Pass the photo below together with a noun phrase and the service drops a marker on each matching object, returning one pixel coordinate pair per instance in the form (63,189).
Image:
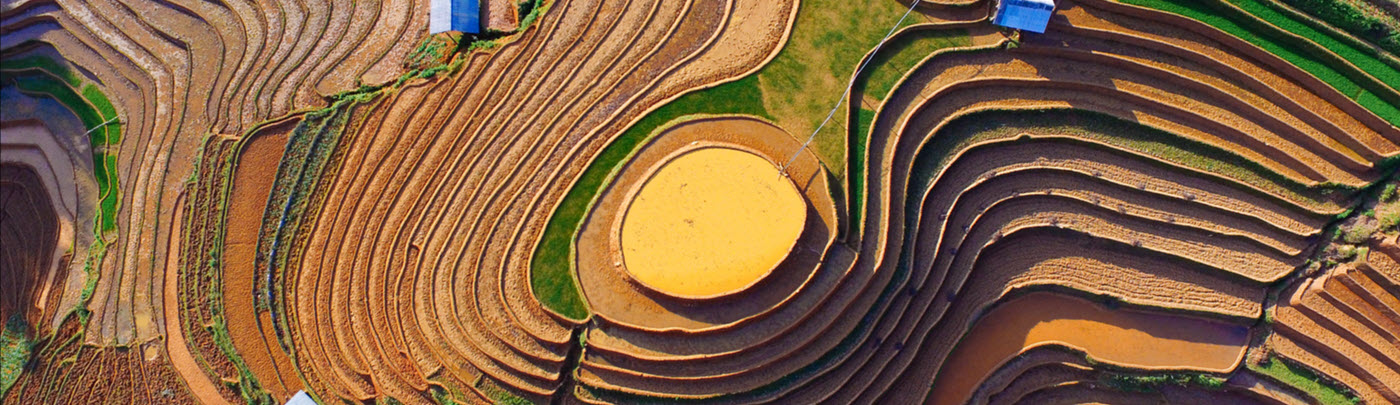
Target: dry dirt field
(699,201)
(708,222)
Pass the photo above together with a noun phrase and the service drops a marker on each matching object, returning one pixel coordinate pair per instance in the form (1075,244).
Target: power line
(89,132)
(783,169)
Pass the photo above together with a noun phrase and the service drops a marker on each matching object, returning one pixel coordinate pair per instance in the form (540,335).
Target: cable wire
(783,169)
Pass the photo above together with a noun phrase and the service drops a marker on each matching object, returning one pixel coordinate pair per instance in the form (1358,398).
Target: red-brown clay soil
(412,270)
(1343,324)
(252,333)
(176,346)
(177,72)
(199,279)
(418,266)
(63,370)
(29,234)
(30,144)
(1124,337)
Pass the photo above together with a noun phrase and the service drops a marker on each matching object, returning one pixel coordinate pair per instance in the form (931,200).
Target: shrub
(1348,17)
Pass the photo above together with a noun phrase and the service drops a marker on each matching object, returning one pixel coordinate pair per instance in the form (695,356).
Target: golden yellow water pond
(709,222)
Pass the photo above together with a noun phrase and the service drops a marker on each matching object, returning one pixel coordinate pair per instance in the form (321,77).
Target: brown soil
(29,234)
(1336,344)
(876,148)
(64,371)
(176,72)
(500,15)
(1040,377)
(30,144)
(250,328)
(414,269)
(1243,311)
(198,278)
(1128,338)
(614,297)
(1006,381)
(480,149)
(176,346)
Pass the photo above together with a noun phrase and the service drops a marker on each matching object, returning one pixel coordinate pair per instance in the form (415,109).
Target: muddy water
(1129,338)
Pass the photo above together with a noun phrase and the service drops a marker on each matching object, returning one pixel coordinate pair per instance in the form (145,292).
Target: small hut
(455,15)
(1028,15)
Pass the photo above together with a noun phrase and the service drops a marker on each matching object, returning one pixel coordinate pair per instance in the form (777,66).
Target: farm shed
(1029,15)
(455,15)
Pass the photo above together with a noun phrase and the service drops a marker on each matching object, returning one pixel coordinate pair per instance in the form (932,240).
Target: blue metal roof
(1029,15)
(454,15)
(301,398)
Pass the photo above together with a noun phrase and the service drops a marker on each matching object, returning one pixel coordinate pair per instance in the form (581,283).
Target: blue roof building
(1029,15)
(301,398)
(454,15)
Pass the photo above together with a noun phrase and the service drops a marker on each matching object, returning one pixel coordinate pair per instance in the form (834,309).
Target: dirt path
(175,345)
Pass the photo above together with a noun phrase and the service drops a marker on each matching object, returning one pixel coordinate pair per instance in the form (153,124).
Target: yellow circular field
(709,222)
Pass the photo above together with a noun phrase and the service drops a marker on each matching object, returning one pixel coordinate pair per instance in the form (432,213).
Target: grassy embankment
(1266,28)
(796,90)
(1322,390)
(44,77)
(1364,19)
(889,65)
(15,347)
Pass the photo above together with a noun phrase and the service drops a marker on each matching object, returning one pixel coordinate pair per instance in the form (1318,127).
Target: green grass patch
(886,67)
(860,140)
(499,395)
(1364,58)
(901,55)
(805,80)
(552,269)
(796,90)
(1323,390)
(1225,20)
(94,110)
(45,64)
(15,348)
(1153,382)
(1361,18)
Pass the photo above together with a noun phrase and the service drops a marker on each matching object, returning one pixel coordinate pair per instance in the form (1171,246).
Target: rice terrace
(700,201)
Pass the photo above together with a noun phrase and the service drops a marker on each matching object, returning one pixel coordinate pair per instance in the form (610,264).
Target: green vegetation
(15,347)
(900,55)
(1323,390)
(1361,18)
(1269,38)
(855,192)
(796,90)
(805,79)
(1364,57)
(92,108)
(499,395)
(43,76)
(247,384)
(529,12)
(551,270)
(1153,382)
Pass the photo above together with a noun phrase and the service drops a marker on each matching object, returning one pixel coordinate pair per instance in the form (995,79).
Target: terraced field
(644,201)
